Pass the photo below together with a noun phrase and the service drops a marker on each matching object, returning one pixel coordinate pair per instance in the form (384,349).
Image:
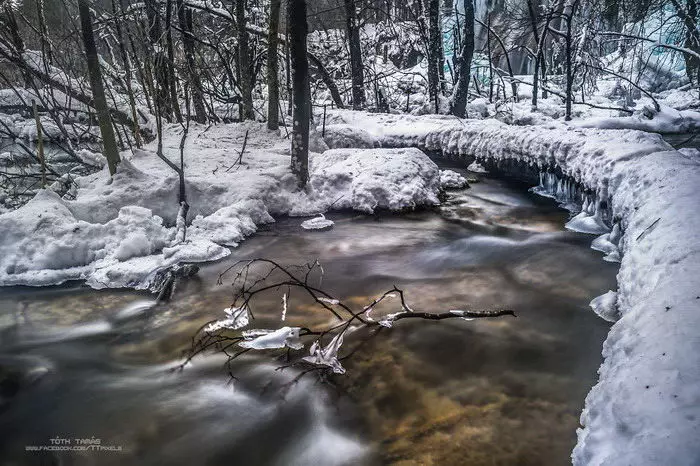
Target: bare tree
(460,94)
(244,68)
(434,52)
(184,15)
(298,29)
(109,143)
(352,29)
(273,83)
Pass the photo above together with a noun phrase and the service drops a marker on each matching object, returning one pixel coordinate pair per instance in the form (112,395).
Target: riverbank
(644,409)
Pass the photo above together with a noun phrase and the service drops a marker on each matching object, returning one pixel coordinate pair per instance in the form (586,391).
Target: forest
(339,232)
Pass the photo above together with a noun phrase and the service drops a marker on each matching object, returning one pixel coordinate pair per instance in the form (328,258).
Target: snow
(450,179)
(645,408)
(317,223)
(120,231)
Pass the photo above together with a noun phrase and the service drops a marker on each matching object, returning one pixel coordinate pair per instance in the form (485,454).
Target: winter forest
(349,232)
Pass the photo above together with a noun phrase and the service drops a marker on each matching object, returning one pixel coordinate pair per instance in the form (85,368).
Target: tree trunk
(160,61)
(434,39)
(689,15)
(298,29)
(184,16)
(244,62)
(172,79)
(126,63)
(98,93)
(273,82)
(8,18)
(356,71)
(464,63)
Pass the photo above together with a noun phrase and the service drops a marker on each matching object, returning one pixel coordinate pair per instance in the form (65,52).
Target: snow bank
(645,409)
(120,231)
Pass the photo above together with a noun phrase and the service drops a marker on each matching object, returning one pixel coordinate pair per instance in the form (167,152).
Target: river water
(77,363)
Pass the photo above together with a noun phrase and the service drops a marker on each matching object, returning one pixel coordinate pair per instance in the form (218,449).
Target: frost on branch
(258,277)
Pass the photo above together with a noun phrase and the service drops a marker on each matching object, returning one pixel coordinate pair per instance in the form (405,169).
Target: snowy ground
(645,409)
(118,232)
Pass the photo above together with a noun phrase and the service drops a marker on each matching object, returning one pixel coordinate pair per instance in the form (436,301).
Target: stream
(80,363)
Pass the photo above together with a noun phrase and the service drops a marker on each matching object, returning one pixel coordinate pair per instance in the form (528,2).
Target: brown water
(75,364)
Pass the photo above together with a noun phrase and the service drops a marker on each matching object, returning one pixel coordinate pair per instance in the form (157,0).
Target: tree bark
(357,73)
(98,93)
(273,82)
(172,78)
(244,62)
(184,15)
(160,62)
(298,30)
(461,91)
(434,39)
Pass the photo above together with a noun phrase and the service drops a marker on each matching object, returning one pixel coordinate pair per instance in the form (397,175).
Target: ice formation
(264,339)
(317,223)
(327,356)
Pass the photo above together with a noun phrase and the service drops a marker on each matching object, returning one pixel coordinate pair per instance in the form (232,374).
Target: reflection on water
(81,363)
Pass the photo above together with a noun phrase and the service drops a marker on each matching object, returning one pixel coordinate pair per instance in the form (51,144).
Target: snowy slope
(645,409)
(120,231)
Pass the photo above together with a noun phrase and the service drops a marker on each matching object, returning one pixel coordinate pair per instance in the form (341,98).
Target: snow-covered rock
(450,179)
(317,223)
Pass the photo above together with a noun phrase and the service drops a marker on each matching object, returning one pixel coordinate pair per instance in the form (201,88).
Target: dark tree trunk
(569,13)
(8,18)
(689,15)
(98,93)
(434,40)
(273,82)
(298,30)
(357,73)
(184,15)
(172,79)
(464,63)
(160,61)
(117,12)
(244,62)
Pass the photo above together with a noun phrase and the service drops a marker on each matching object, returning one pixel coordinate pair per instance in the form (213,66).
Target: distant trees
(352,29)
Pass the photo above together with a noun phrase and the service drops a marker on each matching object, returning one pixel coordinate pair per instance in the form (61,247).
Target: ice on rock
(450,179)
(285,337)
(317,223)
(476,167)
(589,220)
(608,244)
(327,356)
(605,306)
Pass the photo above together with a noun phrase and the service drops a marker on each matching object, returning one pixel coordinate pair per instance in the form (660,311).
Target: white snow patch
(317,223)
(450,179)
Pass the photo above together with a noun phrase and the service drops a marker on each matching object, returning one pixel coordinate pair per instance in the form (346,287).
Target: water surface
(80,363)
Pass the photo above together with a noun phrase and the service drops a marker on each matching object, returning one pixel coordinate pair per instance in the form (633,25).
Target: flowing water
(78,363)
